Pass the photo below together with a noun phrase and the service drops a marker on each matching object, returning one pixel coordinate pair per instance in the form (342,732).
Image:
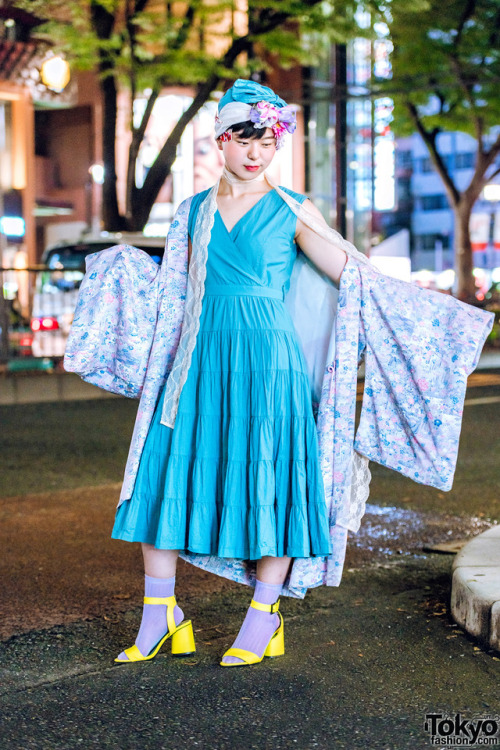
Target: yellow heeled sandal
(182,637)
(275,647)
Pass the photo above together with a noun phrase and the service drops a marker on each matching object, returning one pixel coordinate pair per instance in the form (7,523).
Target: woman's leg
(258,627)
(273,569)
(159,563)
(159,567)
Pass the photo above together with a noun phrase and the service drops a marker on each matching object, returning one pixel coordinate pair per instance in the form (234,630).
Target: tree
(146,44)
(446,77)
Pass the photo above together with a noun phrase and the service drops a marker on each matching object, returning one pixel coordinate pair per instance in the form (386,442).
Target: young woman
(229,465)
(238,476)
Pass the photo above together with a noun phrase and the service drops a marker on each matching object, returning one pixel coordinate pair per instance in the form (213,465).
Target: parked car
(57,286)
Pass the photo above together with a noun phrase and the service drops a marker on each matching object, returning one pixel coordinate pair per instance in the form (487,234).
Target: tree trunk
(143,199)
(111,218)
(463,252)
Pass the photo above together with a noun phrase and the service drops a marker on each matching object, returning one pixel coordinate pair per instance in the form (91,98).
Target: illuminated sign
(479,231)
(384,162)
(384,156)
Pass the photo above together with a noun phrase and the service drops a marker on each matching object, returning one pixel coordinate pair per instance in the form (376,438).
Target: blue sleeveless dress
(238,476)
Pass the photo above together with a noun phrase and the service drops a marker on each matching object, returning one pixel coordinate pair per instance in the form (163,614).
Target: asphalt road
(364,662)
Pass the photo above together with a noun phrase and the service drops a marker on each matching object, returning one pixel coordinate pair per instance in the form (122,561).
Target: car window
(66,265)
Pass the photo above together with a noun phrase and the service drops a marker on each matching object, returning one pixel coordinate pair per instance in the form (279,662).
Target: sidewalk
(475,593)
(36,387)
(364,662)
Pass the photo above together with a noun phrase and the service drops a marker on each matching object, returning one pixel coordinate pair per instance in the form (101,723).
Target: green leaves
(182,42)
(446,62)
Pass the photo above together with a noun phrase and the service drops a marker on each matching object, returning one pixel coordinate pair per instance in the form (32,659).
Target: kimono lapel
(171,303)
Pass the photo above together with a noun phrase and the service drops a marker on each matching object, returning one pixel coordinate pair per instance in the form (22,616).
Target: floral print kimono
(418,348)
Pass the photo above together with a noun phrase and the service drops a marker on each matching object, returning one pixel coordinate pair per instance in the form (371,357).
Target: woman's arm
(326,257)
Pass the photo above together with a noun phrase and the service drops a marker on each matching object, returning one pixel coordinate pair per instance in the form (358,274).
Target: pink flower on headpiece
(282,120)
(279,131)
(263,114)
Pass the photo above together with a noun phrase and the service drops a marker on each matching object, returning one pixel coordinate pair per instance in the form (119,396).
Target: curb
(475,588)
(37,387)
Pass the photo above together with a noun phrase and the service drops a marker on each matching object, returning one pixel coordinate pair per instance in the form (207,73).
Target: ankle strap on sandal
(170,601)
(266,607)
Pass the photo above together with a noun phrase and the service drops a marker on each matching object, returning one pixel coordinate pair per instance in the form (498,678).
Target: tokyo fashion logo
(455,731)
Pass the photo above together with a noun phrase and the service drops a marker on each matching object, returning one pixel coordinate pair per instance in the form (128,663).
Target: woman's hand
(326,257)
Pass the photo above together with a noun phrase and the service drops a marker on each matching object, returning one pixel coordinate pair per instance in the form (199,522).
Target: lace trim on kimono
(192,312)
(351,515)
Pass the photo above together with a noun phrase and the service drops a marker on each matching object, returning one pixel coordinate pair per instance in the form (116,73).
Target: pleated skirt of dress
(238,476)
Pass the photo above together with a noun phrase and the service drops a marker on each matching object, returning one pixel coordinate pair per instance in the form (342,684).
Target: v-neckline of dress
(230,231)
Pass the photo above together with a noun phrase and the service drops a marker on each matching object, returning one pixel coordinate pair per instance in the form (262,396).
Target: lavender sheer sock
(258,627)
(154,616)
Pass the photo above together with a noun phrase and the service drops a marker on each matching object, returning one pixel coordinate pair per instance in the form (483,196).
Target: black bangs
(247,130)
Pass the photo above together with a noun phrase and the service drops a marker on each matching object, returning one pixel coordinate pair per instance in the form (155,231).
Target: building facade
(423,207)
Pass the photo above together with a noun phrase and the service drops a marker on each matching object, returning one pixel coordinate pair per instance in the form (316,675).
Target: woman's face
(247,158)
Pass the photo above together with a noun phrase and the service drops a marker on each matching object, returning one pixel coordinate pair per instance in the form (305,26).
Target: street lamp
(55,73)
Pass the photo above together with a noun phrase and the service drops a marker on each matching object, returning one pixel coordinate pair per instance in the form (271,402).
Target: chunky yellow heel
(182,636)
(275,647)
(183,640)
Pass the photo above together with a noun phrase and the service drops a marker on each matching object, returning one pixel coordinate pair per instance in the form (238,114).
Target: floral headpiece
(248,100)
(281,121)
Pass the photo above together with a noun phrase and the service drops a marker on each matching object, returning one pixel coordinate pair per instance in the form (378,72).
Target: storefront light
(96,171)
(55,73)
(156,229)
(20,260)
(445,279)
(12,226)
(491,192)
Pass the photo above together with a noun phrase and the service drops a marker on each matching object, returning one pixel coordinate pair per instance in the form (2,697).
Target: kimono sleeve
(115,318)
(420,348)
